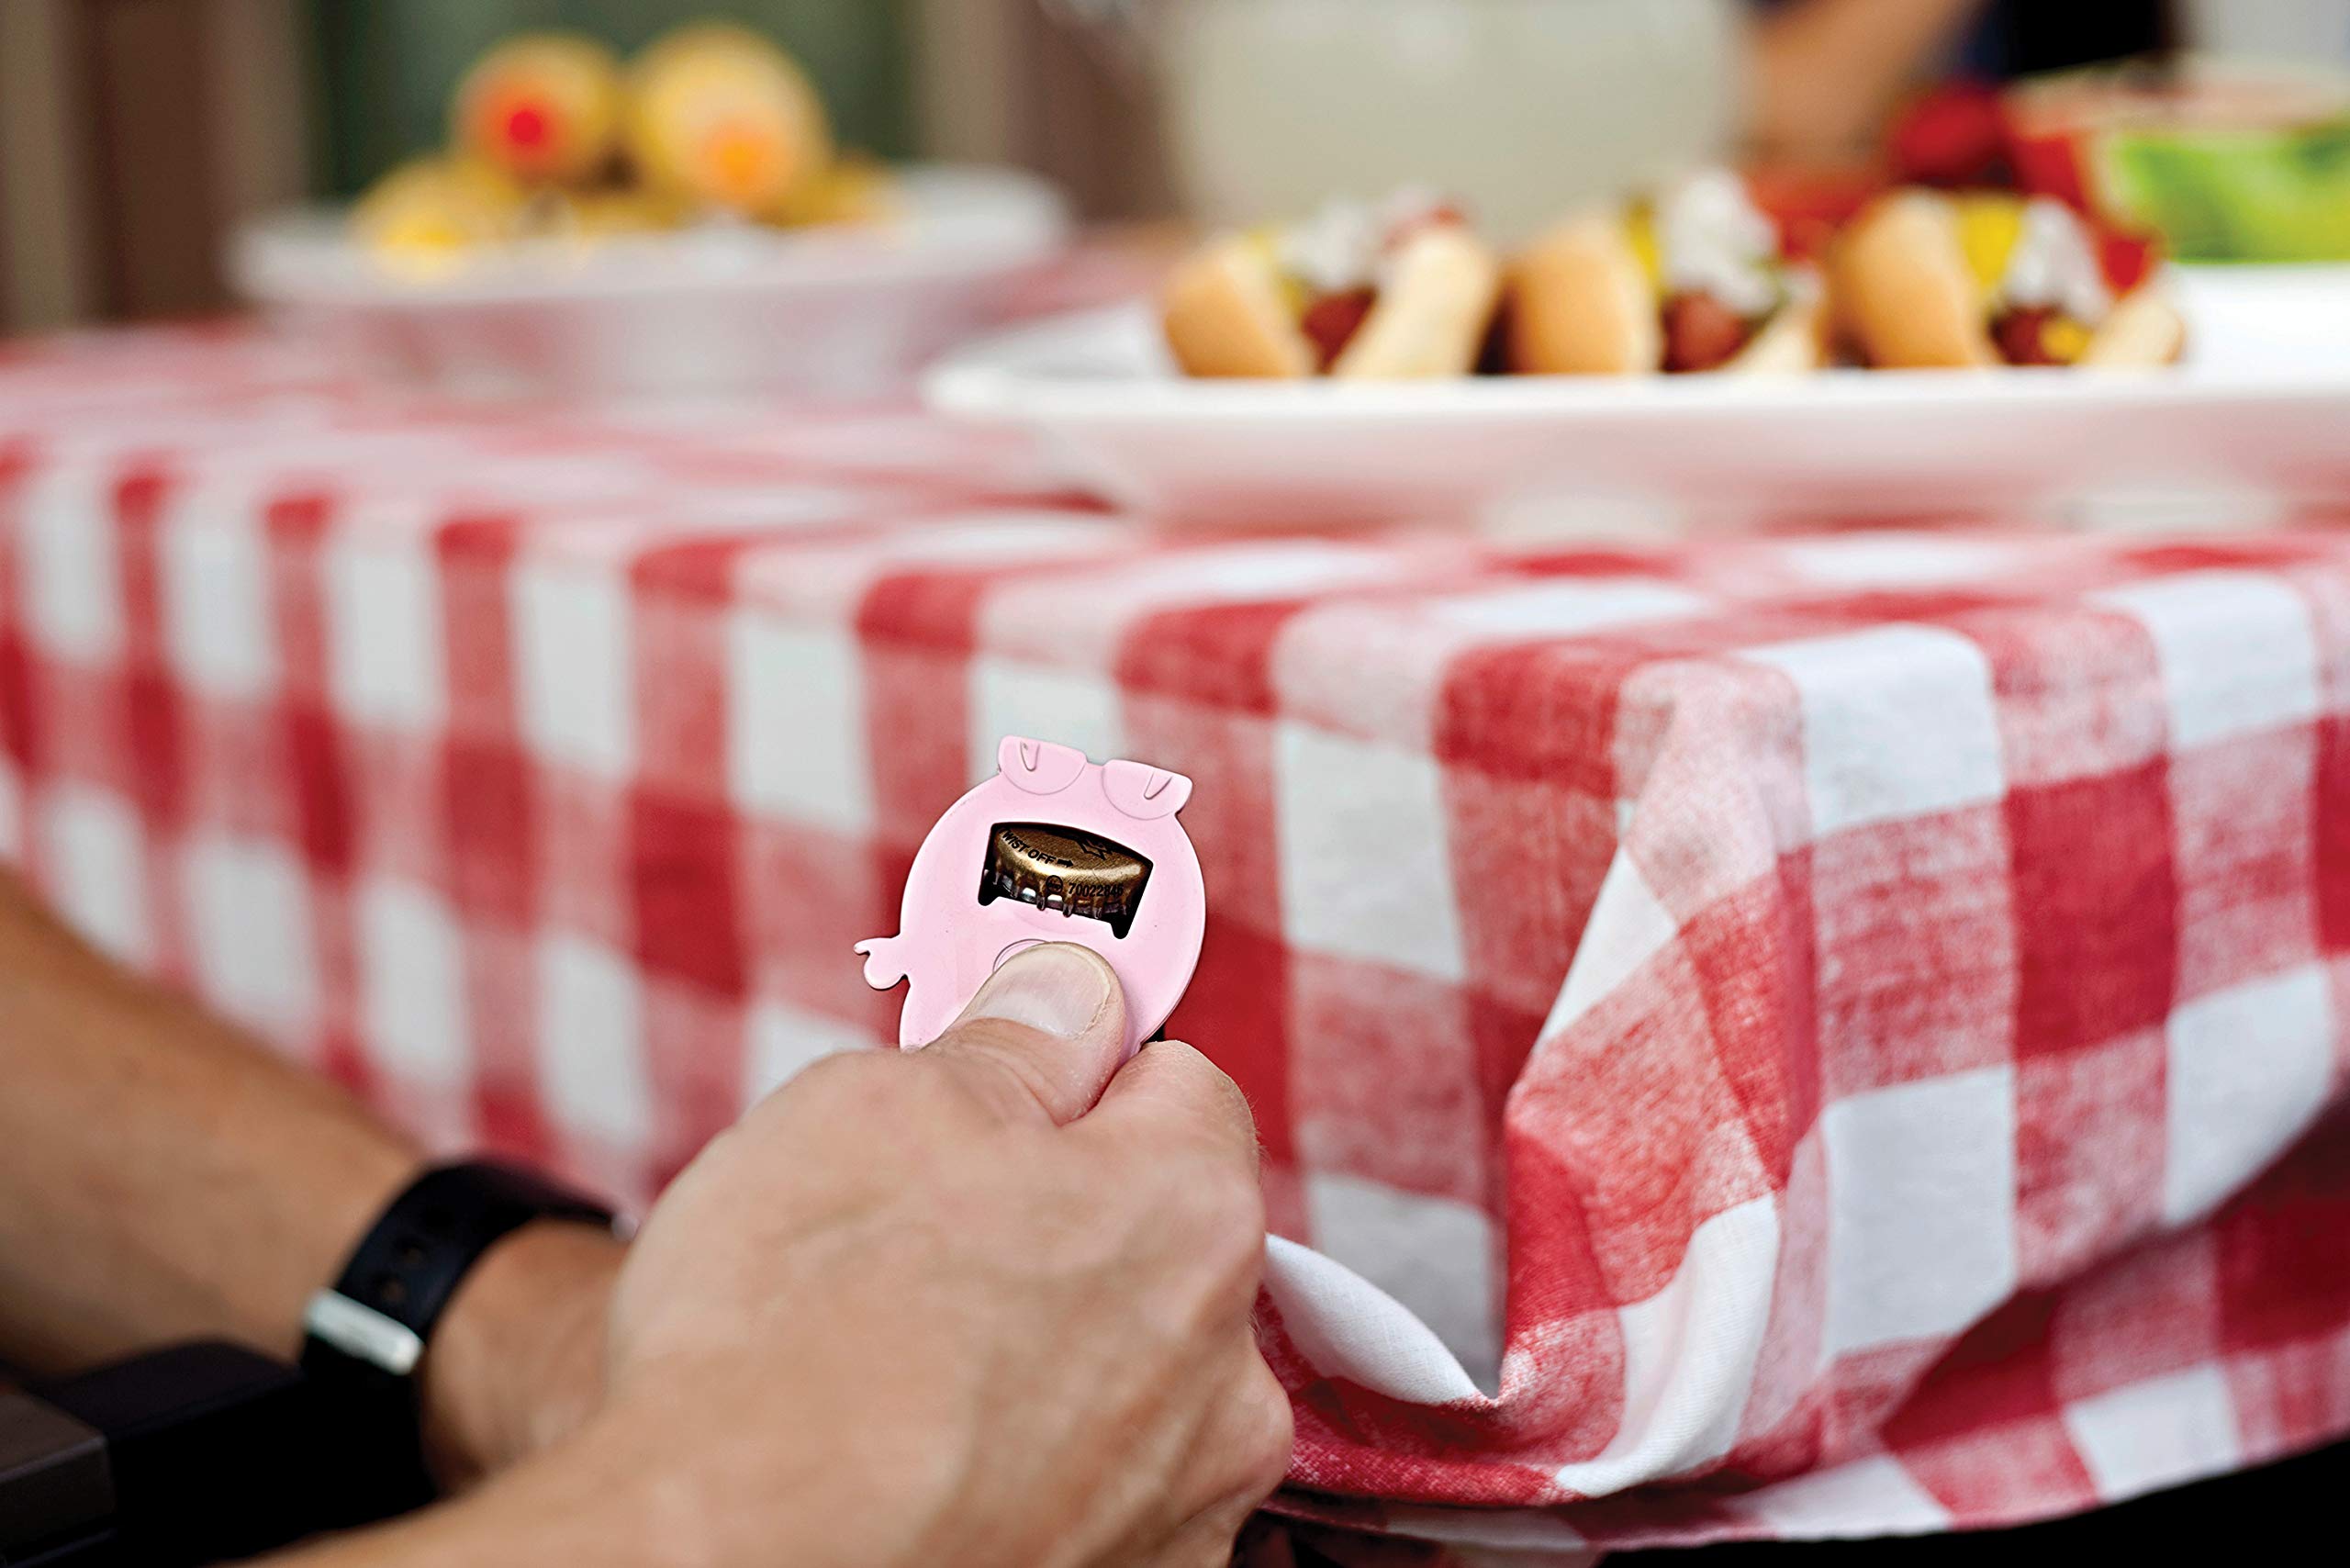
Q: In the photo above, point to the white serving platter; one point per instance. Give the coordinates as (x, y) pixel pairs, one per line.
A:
(2260, 408)
(712, 309)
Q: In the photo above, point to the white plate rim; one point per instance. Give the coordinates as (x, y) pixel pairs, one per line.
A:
(994, 378)
(964, 220)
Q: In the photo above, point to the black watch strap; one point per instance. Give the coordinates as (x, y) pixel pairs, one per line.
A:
(367, 1332)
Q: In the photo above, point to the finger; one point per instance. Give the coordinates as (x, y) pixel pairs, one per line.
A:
(1259, 1429)
(1170, 1089)
(1208, 1542)
(1216, 1534)
(1243, 1455)
(1042, 1037)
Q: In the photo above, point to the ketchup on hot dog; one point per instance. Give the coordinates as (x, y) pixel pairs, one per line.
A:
(1331, 322)
(1721, 264)
(1702, 334)
(1336, 260)
(2048, 277)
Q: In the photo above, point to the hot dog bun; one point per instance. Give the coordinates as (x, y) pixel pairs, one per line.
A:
(1907, 299)
(2144, 331)
(1228, 312)
(1432, 313)
(1902, 288)
(1790, 343)
(1581, 303)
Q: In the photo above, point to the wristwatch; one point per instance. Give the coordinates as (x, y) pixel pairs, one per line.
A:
(367, 1332)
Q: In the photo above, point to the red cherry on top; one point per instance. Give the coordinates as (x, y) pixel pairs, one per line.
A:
(2126, 258)
(529, 125)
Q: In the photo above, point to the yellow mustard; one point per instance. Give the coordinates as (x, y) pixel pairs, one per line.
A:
(1640, 233)
(1266, 241)
(1988, 229)
(2063, 340)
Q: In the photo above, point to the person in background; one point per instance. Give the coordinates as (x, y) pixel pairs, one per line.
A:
(1828, 73)
(1523, 110)
(988, 1304)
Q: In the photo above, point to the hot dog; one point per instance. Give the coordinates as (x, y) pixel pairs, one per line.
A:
(1926, 280)
(1697, 280)
(1400, 292)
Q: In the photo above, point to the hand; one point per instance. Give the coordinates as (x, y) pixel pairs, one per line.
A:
(945, 1307)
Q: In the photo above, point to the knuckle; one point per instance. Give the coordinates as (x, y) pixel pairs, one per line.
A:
(1268, 1432)
(978, 1073)
(829, 1073)
(1232, 1205)
(1213, 1547)
(999, 1040)
(1218, 1210)
(1203, 1189)
(1228, 1103)
(1231, 1103)
(989, 1037)
(846, 1083)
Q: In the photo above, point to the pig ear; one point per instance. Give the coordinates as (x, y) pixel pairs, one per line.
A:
(1038, 767)
(1145, 792)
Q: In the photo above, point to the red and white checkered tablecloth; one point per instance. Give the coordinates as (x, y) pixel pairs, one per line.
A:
(1802, 1036)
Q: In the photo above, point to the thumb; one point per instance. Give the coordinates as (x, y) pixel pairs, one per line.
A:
(1043, 1035)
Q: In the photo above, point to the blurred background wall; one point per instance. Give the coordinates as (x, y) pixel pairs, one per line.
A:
(134, 133)
(131, 131)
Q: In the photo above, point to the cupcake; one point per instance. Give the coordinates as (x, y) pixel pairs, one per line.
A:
(423, 215)
(722, 120)
(854, 188)
(544, 108)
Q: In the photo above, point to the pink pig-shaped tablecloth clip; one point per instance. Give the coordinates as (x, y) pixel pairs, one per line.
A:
(1053, 849)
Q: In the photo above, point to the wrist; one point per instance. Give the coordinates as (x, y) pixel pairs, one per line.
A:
(598, 1499)
(688, 1475)
(516, 1362)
